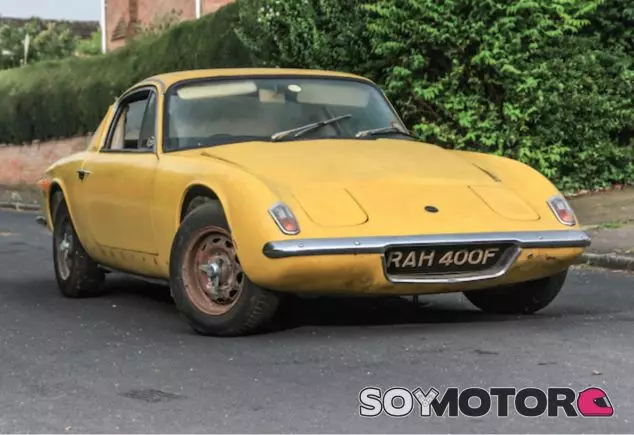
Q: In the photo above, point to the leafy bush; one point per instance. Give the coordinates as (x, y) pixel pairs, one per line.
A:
(613, 23)
(316, 34)
(47, 41)
(90, 46)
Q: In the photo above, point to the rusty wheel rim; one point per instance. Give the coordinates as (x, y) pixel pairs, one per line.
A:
(212, 274)
(64, 250)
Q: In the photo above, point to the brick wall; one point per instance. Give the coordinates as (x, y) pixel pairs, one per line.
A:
(25, 164)
(210, 6)
(149, 11)
(117, 20)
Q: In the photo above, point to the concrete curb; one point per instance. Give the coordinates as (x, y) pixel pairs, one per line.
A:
(19, 206)
(608, 261)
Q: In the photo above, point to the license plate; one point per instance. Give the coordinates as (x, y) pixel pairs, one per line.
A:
(444, 259)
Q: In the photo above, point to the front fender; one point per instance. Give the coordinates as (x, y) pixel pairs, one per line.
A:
(245, 198)
(526, 181)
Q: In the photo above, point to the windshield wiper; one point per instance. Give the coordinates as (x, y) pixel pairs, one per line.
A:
(384, 130)
(296, 132)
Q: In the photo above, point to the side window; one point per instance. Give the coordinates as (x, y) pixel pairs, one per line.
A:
(134, 126)
(148, 127)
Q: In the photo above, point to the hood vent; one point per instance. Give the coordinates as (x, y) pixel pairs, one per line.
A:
(490, 174)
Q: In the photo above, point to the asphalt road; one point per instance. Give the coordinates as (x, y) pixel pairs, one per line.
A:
(126, 362)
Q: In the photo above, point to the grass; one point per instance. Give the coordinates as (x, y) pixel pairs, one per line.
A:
(613, 225)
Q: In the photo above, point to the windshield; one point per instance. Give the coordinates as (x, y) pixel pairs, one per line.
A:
(228, 111)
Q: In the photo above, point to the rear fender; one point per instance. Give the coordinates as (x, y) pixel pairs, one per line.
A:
(61, 174)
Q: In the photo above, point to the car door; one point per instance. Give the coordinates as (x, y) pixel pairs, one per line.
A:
(117, 182)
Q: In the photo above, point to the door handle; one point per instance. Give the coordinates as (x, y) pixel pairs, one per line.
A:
(81, 173)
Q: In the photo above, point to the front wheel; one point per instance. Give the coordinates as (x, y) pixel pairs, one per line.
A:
(523, 298)
(209, 287)
(77, 274)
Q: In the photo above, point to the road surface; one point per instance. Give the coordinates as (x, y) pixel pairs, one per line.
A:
(127, 362)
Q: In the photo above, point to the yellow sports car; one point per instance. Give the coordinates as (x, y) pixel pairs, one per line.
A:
(238, 186)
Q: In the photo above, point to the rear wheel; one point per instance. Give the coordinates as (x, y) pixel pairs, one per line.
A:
(76, 273)
(209, 287)
(523, 298)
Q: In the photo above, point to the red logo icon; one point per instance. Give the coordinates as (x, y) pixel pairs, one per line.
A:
(593, 402)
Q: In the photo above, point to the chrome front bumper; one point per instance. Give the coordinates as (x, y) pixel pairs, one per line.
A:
(379, 245)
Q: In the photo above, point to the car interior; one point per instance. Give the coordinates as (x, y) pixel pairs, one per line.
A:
(135, 126)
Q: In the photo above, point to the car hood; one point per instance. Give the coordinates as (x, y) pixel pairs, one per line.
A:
(347, 182)
(346, 161)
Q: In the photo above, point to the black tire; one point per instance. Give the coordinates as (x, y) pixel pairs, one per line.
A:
(56, 200)
(249, 312)
(78, 276)
(523, 298)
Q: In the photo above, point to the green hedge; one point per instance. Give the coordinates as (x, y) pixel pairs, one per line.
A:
(549, 82)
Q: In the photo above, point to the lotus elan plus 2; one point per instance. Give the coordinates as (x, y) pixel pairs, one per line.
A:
(237, 187)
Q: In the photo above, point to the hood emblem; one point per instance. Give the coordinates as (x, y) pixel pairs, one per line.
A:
(431, 209)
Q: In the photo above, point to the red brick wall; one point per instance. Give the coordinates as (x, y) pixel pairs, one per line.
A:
(116, 10)
(151, 10)
(26, 164)
(210, 6)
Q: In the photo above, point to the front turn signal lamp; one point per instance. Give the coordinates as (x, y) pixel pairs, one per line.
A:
(284, 218)
(44, 184)
(562, 210)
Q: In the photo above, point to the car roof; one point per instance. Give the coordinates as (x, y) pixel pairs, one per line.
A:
(169, 79)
